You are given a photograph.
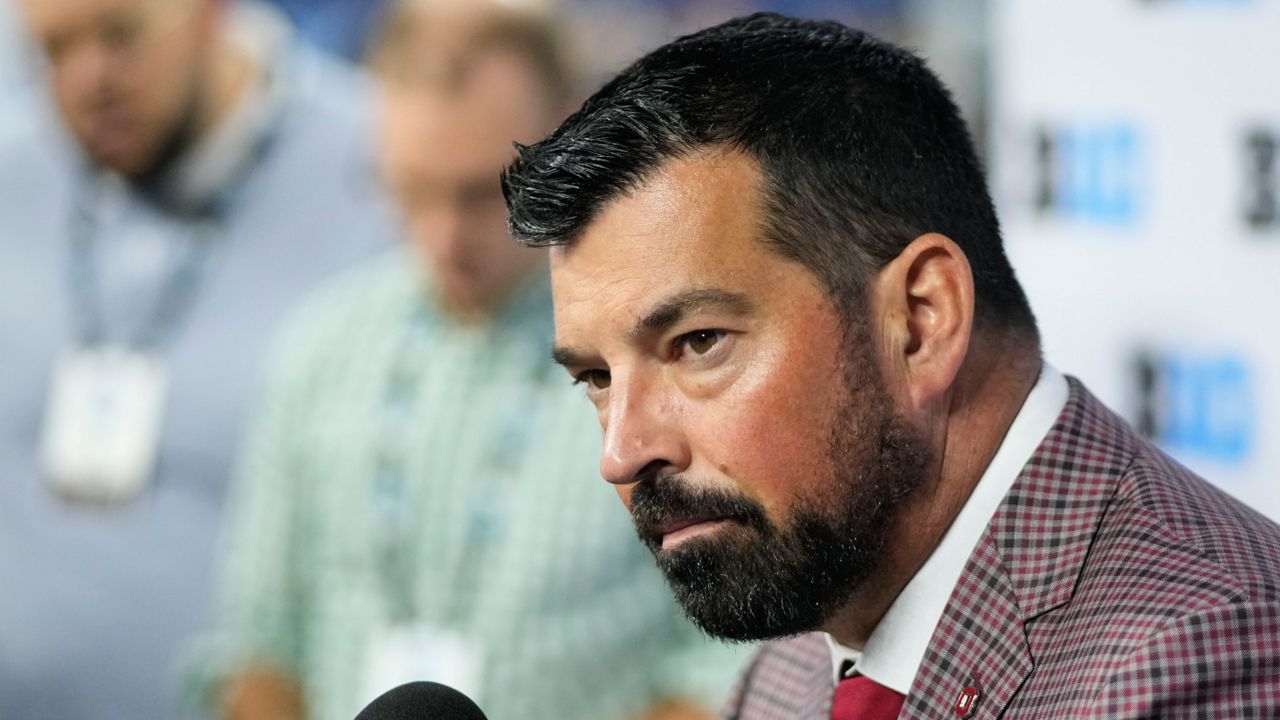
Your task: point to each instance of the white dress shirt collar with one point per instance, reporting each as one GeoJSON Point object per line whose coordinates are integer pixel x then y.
{"type": "Point", "coordinates": [897, 646]}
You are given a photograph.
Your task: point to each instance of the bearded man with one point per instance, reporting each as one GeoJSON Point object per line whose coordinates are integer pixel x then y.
{"type": "Point", "coordinates": [778, 273]}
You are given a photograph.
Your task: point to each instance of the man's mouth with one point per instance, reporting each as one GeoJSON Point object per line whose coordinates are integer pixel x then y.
{"type": "Point", "coordinates": [679, 530]}
{"type": "Point", "coordinates": [108, 132]}
{"type": "Point", "coordinates": [669, 511]}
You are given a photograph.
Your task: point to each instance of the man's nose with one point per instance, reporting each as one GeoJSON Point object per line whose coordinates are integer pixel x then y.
{"type": "Point", "coordinates": [643, 433]}
{"type": "Point", "coordinates": [86, 67]}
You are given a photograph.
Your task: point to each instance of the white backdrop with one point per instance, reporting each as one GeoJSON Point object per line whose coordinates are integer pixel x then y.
{"type": "Point", "coordinates": [1135, 150]}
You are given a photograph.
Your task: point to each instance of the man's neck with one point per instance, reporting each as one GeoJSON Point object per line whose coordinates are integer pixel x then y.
{"type": "Point", "coordinates": [987, 396]}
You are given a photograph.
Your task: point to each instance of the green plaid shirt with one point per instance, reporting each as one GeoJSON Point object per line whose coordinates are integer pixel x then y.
{"type": "Point", "coordinates": [403, 467]}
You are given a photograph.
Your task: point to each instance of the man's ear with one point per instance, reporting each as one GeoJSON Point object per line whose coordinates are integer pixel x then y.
{"type": "Point", "coordinates": [923, 303]}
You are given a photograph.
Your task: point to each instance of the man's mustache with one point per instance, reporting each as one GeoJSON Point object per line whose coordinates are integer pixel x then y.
{"type": "Point", "coordinates": [657, 501]}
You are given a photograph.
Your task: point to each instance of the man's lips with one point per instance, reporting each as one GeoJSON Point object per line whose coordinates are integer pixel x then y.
{"type": "Point", "coordinates": [678, 530]}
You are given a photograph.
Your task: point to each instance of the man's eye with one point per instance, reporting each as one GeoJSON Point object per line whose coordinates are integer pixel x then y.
{"type": "Point", "coordinates": [56, 47]}
{"type": "Point", "coordinates": [700, 342]}
{"type": "Point", "coordinates": [123, 33]}
{"type": "Point", "coordinates": [594, 379]}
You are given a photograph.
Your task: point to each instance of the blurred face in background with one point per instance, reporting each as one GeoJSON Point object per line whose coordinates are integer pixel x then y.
{"type": "Point", "coordinates": [127, 75]}
{"type": "Point", "coordinates": [446, 136]}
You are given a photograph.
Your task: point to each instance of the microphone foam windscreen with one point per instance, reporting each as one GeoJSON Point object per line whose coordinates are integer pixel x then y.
{"type": "Point", "coordinates": [421, 701]}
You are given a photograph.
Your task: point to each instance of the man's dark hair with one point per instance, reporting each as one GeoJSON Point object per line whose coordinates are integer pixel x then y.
{"type": "Point", "coordinates": [861, 147]}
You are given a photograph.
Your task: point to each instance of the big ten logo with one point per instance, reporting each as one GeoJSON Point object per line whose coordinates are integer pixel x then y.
{"type": "Point", "coordinates": [1262, 179]}
{"type": "Point", "coordinates": [1196, 404]}
{"type": "Point", "coordinates": [1089, 172]}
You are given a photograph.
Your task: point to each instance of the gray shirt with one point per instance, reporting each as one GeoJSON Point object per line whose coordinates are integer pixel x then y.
{"type": "Point", "coordinates": [96, 601]}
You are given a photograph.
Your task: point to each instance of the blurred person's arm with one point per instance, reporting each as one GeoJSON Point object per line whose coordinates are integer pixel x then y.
{"type": "Point", "coordinates": [677, 709]}
{"type": "Point", "coordinates": [245, 669]}
{"type": "Point", "coordinates": [262, 693]}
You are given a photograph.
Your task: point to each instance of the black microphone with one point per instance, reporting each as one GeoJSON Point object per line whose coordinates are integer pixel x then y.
{"type": "Point", "coordinates": [422, 701]}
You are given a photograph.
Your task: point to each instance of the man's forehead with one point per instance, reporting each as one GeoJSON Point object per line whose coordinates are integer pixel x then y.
{"type": "Point", "coordinates": [693, 226]}
{"type": "Point", "coordinates": [67, 19]}
{"type": "Point", "coordinates": [45, 12]}
{"type": "Point", "coordinates": [685, 207]}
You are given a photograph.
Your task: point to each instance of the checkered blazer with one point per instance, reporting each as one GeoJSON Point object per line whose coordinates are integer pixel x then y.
{"type": "Point", "coordinates": [1111, 583]}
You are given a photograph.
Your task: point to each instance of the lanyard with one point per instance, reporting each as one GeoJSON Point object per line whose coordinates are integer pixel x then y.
{"type": "Point", "coordinates": [395, 495]}
{"type": "Point", "coordinates": [180, 286]}
{"type": "Point", "coordinates": [174, 298]}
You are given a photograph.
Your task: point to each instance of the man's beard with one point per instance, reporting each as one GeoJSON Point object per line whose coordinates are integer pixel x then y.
{"type": "Point", "coordinates": [153, 172]}
{"type": "Point", "coordinates": [180, 137]}
{"type": "Point", "coordinates": [752, 579]}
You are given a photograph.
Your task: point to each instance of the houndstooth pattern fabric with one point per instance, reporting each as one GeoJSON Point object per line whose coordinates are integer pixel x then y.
{"type": "Point", "coordinates": [1111, 583]}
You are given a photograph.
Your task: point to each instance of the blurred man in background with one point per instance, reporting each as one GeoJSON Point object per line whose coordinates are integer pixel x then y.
{"type": "Point", "coordinates": [200, 172]}
{"type": "Point", "coordinates": [416, 500]}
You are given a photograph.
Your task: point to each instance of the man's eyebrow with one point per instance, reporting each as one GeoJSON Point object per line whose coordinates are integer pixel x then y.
{"type": "Point", "coordinates": [664, 315]}
{"type": "Point", "coordinates": [673, 309]}
{"type": "Point", "coordinates": [569, 357]}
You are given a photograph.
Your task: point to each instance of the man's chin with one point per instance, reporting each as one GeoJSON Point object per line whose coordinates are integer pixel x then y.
{"type": "Point", "coordinates": [128, 164]}
{"type": "Point", "coordinates": [733, 617]}
{"type": "Point", "coordinates": [113, 161]}
{"type": "Point", "coordinates": [728, 596]}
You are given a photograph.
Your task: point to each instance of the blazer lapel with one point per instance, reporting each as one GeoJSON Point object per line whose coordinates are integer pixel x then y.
{"type": "Point", "coordinates": [1025, 565]}
{"type": "Point", "coordinates": [978, 657]}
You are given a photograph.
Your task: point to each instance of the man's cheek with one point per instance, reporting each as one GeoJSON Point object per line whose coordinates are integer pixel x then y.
{"type": "Point", "coordinates": [772, 464]}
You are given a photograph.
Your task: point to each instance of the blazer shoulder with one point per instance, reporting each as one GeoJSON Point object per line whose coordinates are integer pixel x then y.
{"type": "Point", "coordinates": [1167, 510]}
{"type": "Point", "coordinates": [1174, 598]}
{"type": "Point", "coordinates": [1151, 537]}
